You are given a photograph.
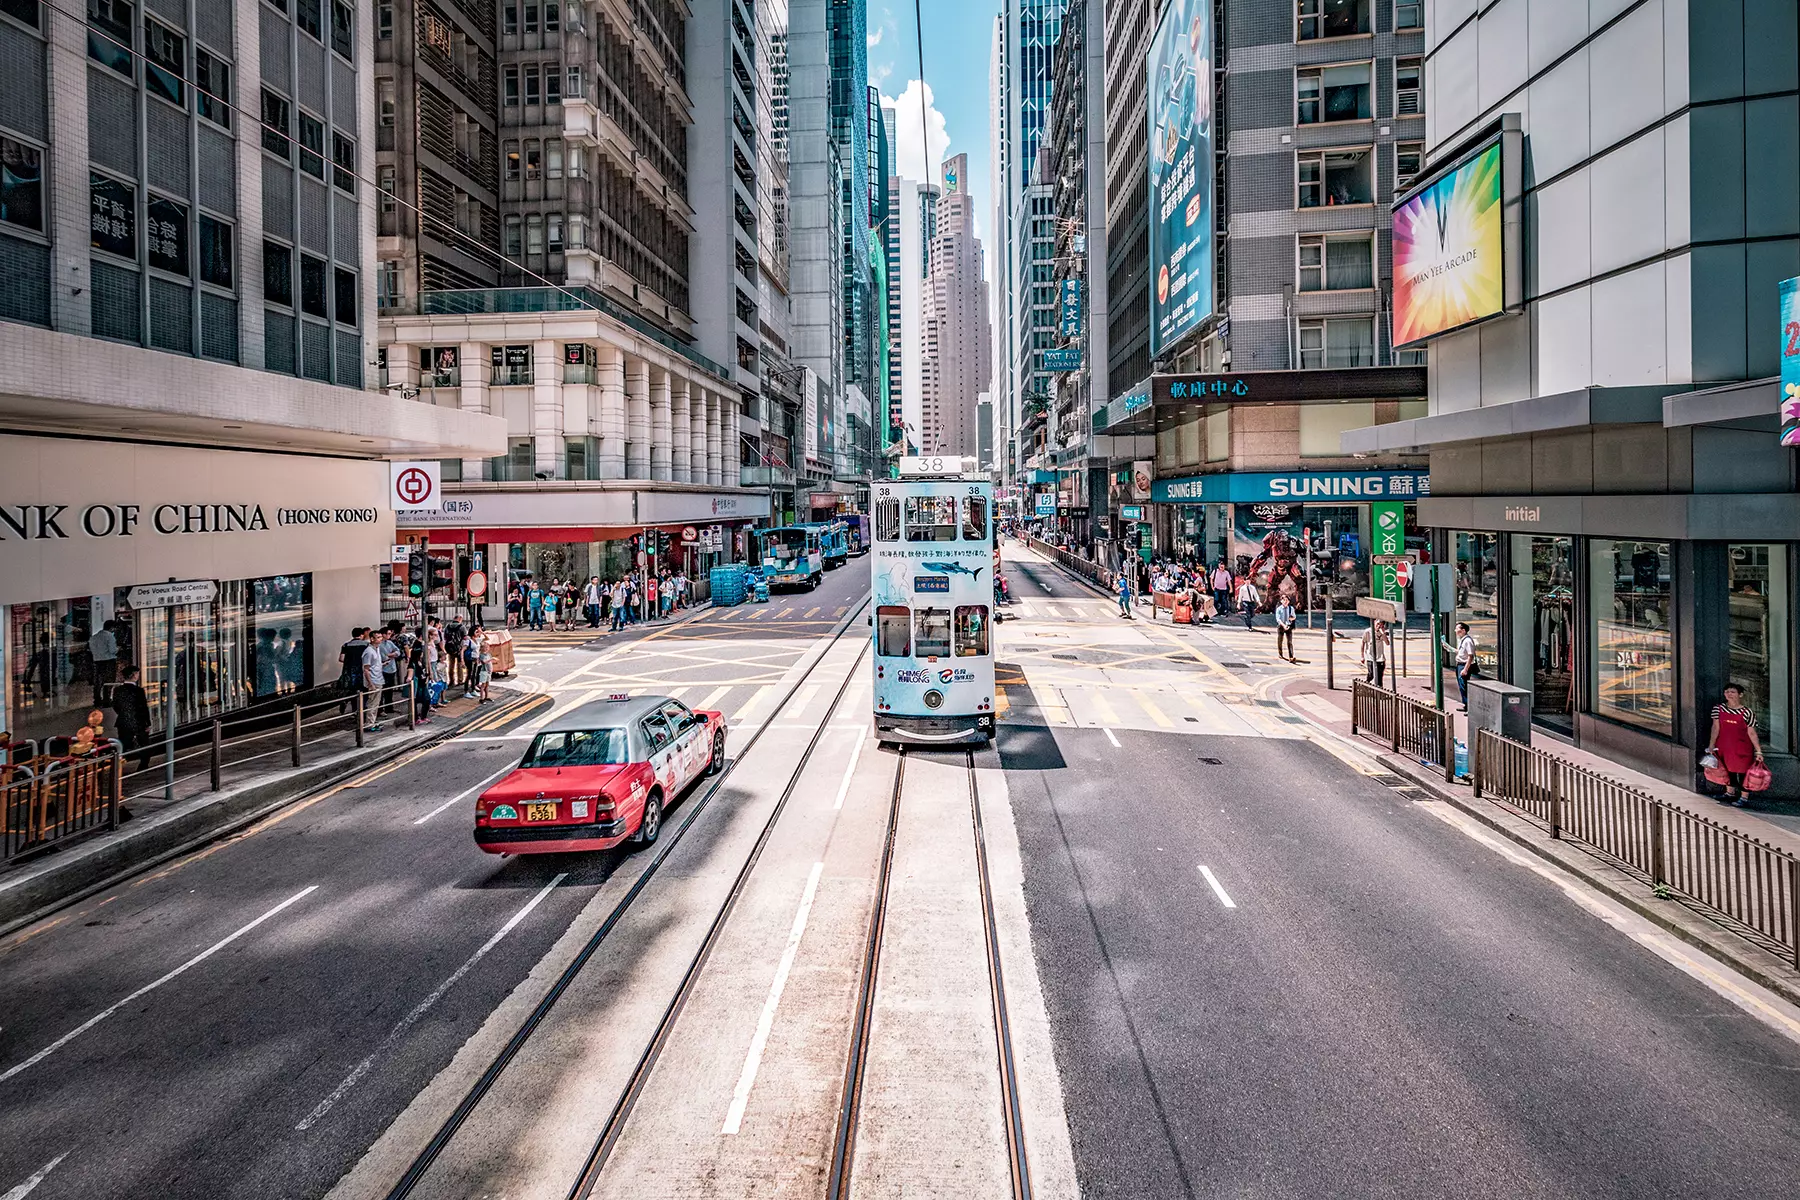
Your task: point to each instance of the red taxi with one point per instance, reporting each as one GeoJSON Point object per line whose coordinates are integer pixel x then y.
{"type": "Point", "coordinates": [598, 774]}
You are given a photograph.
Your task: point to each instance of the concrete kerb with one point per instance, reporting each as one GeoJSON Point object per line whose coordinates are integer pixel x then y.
{"type": "Point", "coordinates": [1672, 915]}
{"type": "Point", "coordinates": [93, 864]}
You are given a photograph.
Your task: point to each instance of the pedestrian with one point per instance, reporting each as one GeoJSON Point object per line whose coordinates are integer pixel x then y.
{"type": "Point", "coordinates": [1285, 619]}
{"type": "Point", "coordinates": [650, 596]}
{"type": "Point", "coordinates": [103, 649]}
{"type": "Point", "coordinates": [373, 677]}
{"type": "Point", "coordinates": [434, 652]}
{"type": "Point", "coordinates": [39, 665]}
{"type": "Point", "coordinates": [454, 636]}
{"type": "Point", "coordinates": [618, 605]}
{"type": "Point", "coordinates": [392, 655]}
{"type": "Point", "coordinates": [471, 657]}
{"type": "Point", "coordinates": [350, 660]}
{"type": "Point", "coordinates": [590, 599]}
{"type": "Point", "coordinates": [1735, 743]}
{"type": "Point", "coordinates": [1374, 652]}
{"type": "Point", "coordinates": [1248, 599]}
{"type": "Point", "coordinates": [515, 606]}
{"type": "Point", "coordinates": [534, 604]}
{"type": "Point", "coordinates": [418, 672]}
{"type": "Point", "coordinates": [1123, 583]}
{"type": "Point", "coordinates": [133, 709]}
{"type": "Point", "coordinates": [1468, 664]}
{"type": "Point", "coordinates": [1221, 587]}
{"type": "Point", "coordinates": [484, 668]}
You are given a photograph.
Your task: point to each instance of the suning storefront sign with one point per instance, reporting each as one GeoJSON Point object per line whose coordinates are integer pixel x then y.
{"type": "Point", "coordinates": [1304, 486]}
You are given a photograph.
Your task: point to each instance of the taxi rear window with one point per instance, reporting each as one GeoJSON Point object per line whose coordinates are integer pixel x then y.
{"type": "Point", "coordinates": [579, 748]}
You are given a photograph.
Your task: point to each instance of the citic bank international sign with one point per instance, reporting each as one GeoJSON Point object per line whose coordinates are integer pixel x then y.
{"type": "Point", "coordinates": [1309, 487]}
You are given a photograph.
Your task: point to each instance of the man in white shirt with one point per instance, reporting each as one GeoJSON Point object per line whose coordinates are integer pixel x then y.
{"type": "Point", "coordinates": [590, 601]}
{"type": "Point", "coordinates": [103, 648]}
{"type": "Point", "coordinates": [1465, 661]}
{"type": "Point", "coordinates": [372, 678]}
{"type": "Point", "coordinates": [1248, 599]}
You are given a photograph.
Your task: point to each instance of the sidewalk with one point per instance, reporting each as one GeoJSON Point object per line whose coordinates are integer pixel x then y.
{"type": "Point", "coordinates": [256, 779]}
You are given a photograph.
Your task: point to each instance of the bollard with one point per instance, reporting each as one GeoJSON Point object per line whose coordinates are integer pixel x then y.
{"type": "Point", "coordinates": [1657, 873]}
{"type": "Point", "coordinates": [118, 789]}
{"type": "Point", "coordinates": [359, 718]}
{"type": "Point", "coordinates": [1556, 798]}
{"type": "Point", "coordinates": [218, 753]}
{"type": "Point", "coordinates": [296, 746]}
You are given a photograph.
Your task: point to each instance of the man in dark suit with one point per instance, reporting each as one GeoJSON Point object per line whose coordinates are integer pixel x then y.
{"type": "Point", "coordinates": [133, 708]}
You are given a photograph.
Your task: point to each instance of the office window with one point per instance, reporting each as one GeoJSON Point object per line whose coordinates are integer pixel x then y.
{"type": "Point", "coordinates": [534, 162]}
{"type": "Point", "coordinates": [1409, 91]}
{"type": "Point", "coordinates": [312, 145]}
{"type": "Point", "coordinates": [439, 366]}
{"type": "Point", "coordinates": [22, 10]}
{"type": "Point", "coordinates": [1332, 177]}
{"type": "Point", "coordinates": [165, 55]}
{"type": "Point", "coordinates": [552, 79]}
{"type": "Point", "coordinates": [343, 162]}
{"type": "Point", "coordinates": [112, 219]}
{"type": "Point", "coordinates": [553, 158]}
{"type": "Point", "coordinates": [1332, 264]}
{"type": "Point", "coordinates": [509, 18]}
{"type": "Point", "coordinates": [552, 14]}
{"type": "Point", "coordinates": [534, 235]}
{"type": "Point", "coordinates": [531, 18]}
{"type": "Point", "coordinates": [109, 34]}
{"type": "Point", "coordinates": [212, 87]}
{"type": "Point", "coordinates": [572, 85]}
{"type": "Point", "coordinates": [385, 103]}
{"type": "Point", "coordinates": [388, 213]}
{"type": "Point", "coordinates": [1338, 342]}
{"type": "Point", "coordinates": [512, 162]}
{"type": "Point", "coordinates": [216, 251]}
{"type": "Point", "coordinates": [511, 365]}
{"type": "Point", "coordinates": [1332, 94]}
{"type": "Point", "coordinates": [1332, 18]}
{"type": "Point", "coordinates": [278, 274]}
{"type": "Point", "coordinates": [21, 185]}
{"type": "Point", "coordinates": [532, 95]}
{"type": "Point", "coordinates": [553, 231]}
{"type": "Point", "coordinates": [387, 284]}
{"type": "Point", "coordinates": [309, 15]}
{"type": "Point", "coordinates": [343, 28]}
{"type": "Point", "coordinates": [166, 234]}
{"type": "Point", "coordinates": [384, 22]}
{"type": "Point", "coordinates": [1409, 14]}
{"type": "Point", "coordinates": [312, 286]}
{"type": "Point", "coordinates": [509, 85]}
{"type": "Point", "coordinates": [275, 125]}
{"type": "Point", "coordinates": [514, 238]}
{"type": "Point", "coordinates": [344, 284]}
{"type": "Point", "coordinates": [1409, 161]}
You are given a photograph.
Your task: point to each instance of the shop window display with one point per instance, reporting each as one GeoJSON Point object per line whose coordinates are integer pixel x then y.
{"type": "Point", "coordinates": [1758, 619]}
{"type": "Point", "coordinates": [1477, 558]}
{"type": "Point", "coordinates": [1633, 661]}
{"type": "Point", "coordinates": [1543, 657]}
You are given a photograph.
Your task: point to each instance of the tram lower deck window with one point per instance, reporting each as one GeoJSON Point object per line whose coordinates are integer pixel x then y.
{"type": "Point", "coordinates": [975, 519]}
{"type": "Point", "coordinates": [887, 520]}
{"type": "Point", "coordinates": [971, 630]}
{"type": "Point", "coordinates": [893, 631]}
{"type": "Point", "coordinates": [931, 518]}
{"type": "Point", "coordinates": [933, 637]}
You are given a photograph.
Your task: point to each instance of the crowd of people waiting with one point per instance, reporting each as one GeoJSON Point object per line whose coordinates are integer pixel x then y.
{"type": "Point", "coordinates": [635, 596]}
{"type": "Point", "coordinates": [392, 666]}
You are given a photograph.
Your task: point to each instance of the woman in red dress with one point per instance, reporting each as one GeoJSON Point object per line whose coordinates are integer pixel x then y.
{"type": "Point", "coordinates": [1734, 741]}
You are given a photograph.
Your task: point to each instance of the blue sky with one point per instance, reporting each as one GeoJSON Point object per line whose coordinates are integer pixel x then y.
{"type": "Point", "coordinates": [958, 38]}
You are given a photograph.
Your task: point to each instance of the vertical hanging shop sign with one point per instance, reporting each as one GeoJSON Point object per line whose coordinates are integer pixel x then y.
{"type": "Point", "coordinates": [1790, 362]}
{"type": "Point", "coordinates": [1388, 517]}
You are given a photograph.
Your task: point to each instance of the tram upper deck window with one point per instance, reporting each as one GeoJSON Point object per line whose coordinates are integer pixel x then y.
{"type": "Point", "coordinates": [931, 518]}
{"type": "Point", "coordinates": [893, 631]}
{"type": "Point", "coordinates": [971, 630]}
{"type": "Point", "coordinates": [975, 519]}
{"type": "Point", "coordinates": [933, 637]}
{"type": "Point", "coordinates": [887, 519]}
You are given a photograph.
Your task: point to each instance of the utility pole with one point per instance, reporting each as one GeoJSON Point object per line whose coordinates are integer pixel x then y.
{"type": "Point", "coordinates": [1330, 648]}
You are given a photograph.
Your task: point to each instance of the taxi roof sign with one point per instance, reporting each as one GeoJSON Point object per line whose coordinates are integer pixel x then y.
{"type": "Point", "coordinates": [617, 696]}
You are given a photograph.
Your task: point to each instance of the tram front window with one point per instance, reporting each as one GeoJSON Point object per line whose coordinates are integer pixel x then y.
{"type": "Point", "coordinates": [971, 630]}
{"type": "Point", "coordinates": [933, 639]}
{"type": "Point", "coordinates": [887, 520]}
{"type": "Point", "coordinates": [931, 518]}
{"type": "Point", "coordinates": [975, 519]}
{"type": "Point", "coordinates": [893, 631]}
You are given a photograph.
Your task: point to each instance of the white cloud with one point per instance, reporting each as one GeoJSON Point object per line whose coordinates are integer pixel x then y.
{"type": "Point", "coordinates": [914, 162]}
{"type": "Point", "coordinates": [875, 38]}
{"type": "Point", "coordinates": [879, 72]}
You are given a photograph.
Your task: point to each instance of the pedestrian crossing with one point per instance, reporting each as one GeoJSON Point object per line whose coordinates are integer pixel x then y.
{"type": "Point", "coordinates": [1153, 709]}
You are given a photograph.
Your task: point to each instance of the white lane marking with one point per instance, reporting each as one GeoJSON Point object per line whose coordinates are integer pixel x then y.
{"type": "Point", "coordinates": [1218, 889]}
{"type": "Point", "coordinates": [713, 698]}
{"type": "Point", "coordinates": [1109, 737]}
{"type": "Point", "coordinates": [463, 795]}
{"type": "Point", "coordinates": [195, 961]}
{"type": "Point", "coordinates": [805, 697]}
{"type": "Point", "coordinates": [740, 1099]}
{"type": "Point", "coordinates": [765, 692]}
{"type": "Point", "coordinates": [422, 1007]}
{"type": "Point", "coordinates": [25, 1189]}
{"type": "Point", "coordinates": [850, 768]}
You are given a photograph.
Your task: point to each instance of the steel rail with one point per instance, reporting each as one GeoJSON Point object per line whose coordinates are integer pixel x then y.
{"type": "Point", "coordinates": [1018, 1164]}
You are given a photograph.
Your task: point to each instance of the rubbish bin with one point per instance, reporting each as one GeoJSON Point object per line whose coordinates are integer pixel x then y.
{"type": "Point", "coordinates": [1500, 708]}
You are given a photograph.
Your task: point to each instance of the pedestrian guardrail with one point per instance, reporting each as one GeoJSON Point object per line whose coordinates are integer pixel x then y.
{"type": "Point", "coordinates": [1086, 568]}
{"type": "Point", "coordinates": [1406, 725]}
{"type": "Point", "coordinates": [46, 800]}
{"type": "Point", "coordinates": [1751, 886]}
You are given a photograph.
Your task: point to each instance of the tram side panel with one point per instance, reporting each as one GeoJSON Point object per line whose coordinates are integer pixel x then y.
{"type": "Point", "coordinates": [932, 568]}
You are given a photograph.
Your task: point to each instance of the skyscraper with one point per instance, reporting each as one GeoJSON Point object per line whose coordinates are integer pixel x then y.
{"type": "Point", "coordinates": [956, 352]}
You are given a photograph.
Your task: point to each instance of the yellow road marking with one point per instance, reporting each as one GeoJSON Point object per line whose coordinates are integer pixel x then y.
{"type": "Point", "coordinates": [1156, 714]}
{"type": "Point", "coordinates": [811, 611]}
{"type": "Point", "coordinates": [1104, 708]}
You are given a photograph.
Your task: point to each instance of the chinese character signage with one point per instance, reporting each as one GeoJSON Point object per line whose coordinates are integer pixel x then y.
{"type": "Point", "coordinates": [1069, 322]}
{"type": "Point", "coordinates": [112, 216]}
{"type": "Point", "coordinates": [166, 236]}
{"type": "Point", "coordinates": [1179, 83]}
{"type": "Point", "coordinates": [1062, 358]}
{"type": "Point", "coordinates": [1790, 362]}
{"type": "Point", "coordinates": [1311, 487]}
{"type": "Point", "coordinates": [1212, 387]}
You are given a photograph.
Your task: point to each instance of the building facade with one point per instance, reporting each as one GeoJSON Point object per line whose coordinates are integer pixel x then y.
{"type": "Point", "coordinates": [955, 353]}
{"type": "Point", "coordinates": [1605, 458]}
{"type": "Point", "coordinates": [187, 231]}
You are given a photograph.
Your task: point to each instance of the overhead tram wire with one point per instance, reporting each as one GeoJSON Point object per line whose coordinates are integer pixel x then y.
{"type": "Point", "coordinates": [448, 227]}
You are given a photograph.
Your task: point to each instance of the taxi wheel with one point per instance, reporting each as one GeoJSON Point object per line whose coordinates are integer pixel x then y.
{"type": "Point", "coordinates": [716, 763]}
{"type": "Point", "coordinates": [650, 824]}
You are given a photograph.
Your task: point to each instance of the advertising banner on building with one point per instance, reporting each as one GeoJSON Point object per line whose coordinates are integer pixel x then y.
{"type": "Point", "coordinates": [1312, 487]}
{"type": "Point", "coordinates": [1069, 311]}
{"type": "Point", "coordinates": [1179, 92]}
{"type": "Point", "coordinates": [1387, 537]}
{"type": "Point", "coordinates": [1062, 358]}
{"type": "Point", "coordinates": [1790, 362]}
{"type": "Point", "coordinates": [1449, 257]}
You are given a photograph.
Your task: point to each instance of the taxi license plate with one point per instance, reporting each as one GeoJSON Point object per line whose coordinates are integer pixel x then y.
{"type": "Point", "coordinates": [540, 812]}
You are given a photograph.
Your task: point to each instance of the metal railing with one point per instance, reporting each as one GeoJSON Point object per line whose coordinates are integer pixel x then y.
{"type": "Point", "coordinates": [47, 800]}
{"type": "Point", "coordinates": [1753, 886]}
{"type": "Point", "coordinates": [1406, 725]}
{"type": "Point", "coordinates": [1086, 568]}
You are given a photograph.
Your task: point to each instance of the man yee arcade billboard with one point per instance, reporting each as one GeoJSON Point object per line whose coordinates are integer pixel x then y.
{"type": "Point", "coordinates": [1455, 246]}
{"type": "Point", "coordinates": [1179, 86]}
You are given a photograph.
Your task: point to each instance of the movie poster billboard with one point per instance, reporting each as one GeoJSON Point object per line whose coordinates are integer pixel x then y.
{"type": "Point", "coordinates": [1179, 96]}
{"type": "Point", "coordinates": [1790, 362]}
{"type": "Point", "coordinates": [1449, 259]}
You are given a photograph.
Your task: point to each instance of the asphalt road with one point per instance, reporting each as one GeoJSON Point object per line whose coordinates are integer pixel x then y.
{"type": "Point", "coordinates": [1390, 1009]}
{"type": "Point", "coordinates": [246, 1021]}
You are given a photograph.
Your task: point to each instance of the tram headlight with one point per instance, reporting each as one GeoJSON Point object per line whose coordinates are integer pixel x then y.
{"type": "Point", "coordinates": [934, 699]}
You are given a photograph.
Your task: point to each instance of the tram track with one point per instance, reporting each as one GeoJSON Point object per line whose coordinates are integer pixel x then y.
{"type": "Point", "coordinates": [420, 1165]}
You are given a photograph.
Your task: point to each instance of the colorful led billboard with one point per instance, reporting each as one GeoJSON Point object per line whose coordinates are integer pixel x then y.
{"type": "Point", "coordinates": [1449, 262]}
{"type": "Point", "coordinates": [1180, 87]}
{"type": "Point", "coordinates": [1790, 362]}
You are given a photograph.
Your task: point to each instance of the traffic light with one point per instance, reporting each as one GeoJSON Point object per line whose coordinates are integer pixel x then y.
{"type": "Point", "coordinates": [417, 573]}
{"type": "Point", "coordinates": [441, 570]}
{"type": "Point", "coordinates": [463, 566]}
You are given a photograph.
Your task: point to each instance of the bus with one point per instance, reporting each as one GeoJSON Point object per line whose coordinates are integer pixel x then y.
{"type": "Point", "coordinates": [791, 556]}
{"type": "Point", "coordinates": [933, 587]}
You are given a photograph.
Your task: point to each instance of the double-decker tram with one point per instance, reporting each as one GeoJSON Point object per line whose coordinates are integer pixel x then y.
{"type": "Point", "coordinates": [791, 556]}
{"type": "Point", "coordinates": [933, 585]}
